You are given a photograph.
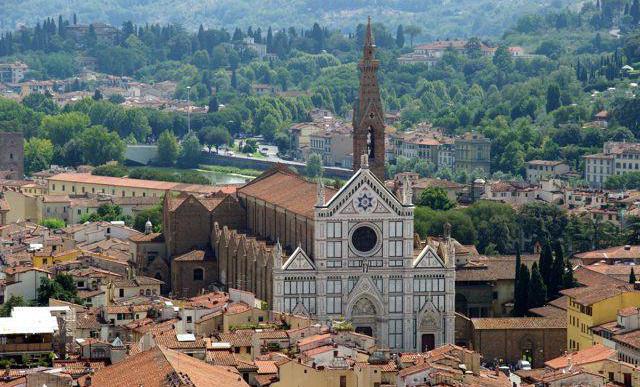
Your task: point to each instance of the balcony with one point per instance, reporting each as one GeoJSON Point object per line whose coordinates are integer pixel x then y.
{"type": "Point", "coordinates": [26, 347]}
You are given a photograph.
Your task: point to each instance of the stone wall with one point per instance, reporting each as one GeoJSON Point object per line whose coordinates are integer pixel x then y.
{"type": "Point", "coordinates": [184, 285]}
{"type": "Point", "coordinates": [12, 154]}
{"type": "Point", "coordinates": [509, 344]}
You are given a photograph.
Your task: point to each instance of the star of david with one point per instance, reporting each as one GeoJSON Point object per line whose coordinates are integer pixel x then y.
{"type": "Point", "coordinates": [365, 202]}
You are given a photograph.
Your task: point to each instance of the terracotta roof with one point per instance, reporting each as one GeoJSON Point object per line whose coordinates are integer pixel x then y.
{"type": "Point", "coordinates": [518, 323]}
{"type": "Point", "coordinates": [590, 355]}
{"type": "Point", "coordinates": [169, 339]}
{"type": "Point", "coordinates": [237, 307]}
{"type": "Point", "coordinates": [560, 302]}
{"type": "Point", "coordinates": [157, 237]}
{"type": "Point", "coordinates": [87, 178]}
{"type": "Point", "coordinates": [612, 253]}
{"type": "Point", "coordinates": [629, 311]}
{"type": "Point", "coordinates": [221, 357]}
{"type": "Point", "coordinates": [209, 202]}
{"type": "Point", "coordinates": [491, 268]}
{"type": "Point", "coordinates": [318, 350]}
{"type": "Point", "coordinates": [442, 183]}
{"type": "Point", "coordinates": [549, 311]}
{"type": "Point", "coordinates": [593, 294]}
{"type": "Point", "coordinates": [630, 339]}
{"type": "Point", "coordinates": [587, 277]}
{"type": "Point", "coordinates": [311, 339]}
{"type": "Point", "coordinates": [266, 366]}
{"type": "Point", "coordinates": [208, 300]}
{"type": "Point", "coordinates": [194, 255]}
{"type": "Point", "coordinates": [239, 338]}
{"type": "Point", "coordinates": [136, 282]}
{"type": "Point", "coordinates": [391, 366]}
{"type": "Point", "coordinates": [112, 309]}
{"type": "Point", "coordinates": [161, 366]}
{"type": "Point", "coordinates": [285, 189]}
{"type": "Point", "coordinates": [266, 380]}
{"type": "Point", "coordinates": [87, 320]}
{"type": "Point", "coordinates": [619, 272]}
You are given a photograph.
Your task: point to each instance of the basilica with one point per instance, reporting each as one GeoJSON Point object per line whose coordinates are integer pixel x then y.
{"type": "Point", "coordinates": [332, 254]}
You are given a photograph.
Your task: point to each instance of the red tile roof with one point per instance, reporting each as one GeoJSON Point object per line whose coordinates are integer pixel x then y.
{"type": "Point", "coordinates": [612, 253]}
{"type": "Point", "coordinates": [593, 294]}
{"type": "Point", "coordinates": [161, 366]}
{"type": "Point", "coordinates": [492, 323]}
{"type": "Point", "coordinates": [285, 189]}
{"type": "Point", "coordinates": [590, 355]}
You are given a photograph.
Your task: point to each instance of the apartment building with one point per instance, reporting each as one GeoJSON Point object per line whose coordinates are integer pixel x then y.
{"type": "Point", "coordinates": [616, 158]}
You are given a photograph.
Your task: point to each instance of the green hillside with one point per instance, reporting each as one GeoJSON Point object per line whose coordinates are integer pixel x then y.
{"type": "Point", "coordinates": [437, 18]}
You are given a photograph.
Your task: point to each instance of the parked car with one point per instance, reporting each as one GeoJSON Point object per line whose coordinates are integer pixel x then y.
{"type": "Point", "coordinates": [524, 365]}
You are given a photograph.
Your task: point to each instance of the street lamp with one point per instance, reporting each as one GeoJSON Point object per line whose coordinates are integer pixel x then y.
{"type": "Point", "coordinates": [188, 109]}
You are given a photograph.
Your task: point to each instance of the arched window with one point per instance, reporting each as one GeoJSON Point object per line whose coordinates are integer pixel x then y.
{"type": "Point", "coordinates": [198, 274]}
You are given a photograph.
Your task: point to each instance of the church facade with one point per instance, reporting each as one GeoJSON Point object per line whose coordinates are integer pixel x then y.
{"type": "Point", "coordinates": [369, 269]}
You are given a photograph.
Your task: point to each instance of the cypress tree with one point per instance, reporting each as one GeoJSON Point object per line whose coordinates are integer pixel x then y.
{"type": "Point", "coordinates": [269, 40]}
{"type": "Point", "coordinates": [400, 36]}
{"type": "Point", "coordinates": [518, 263]}
{"type": "Point", "coordinates": [632, 277]}
{"type": "Point", "coordinates": [538, 290]}
{"type": "Point", "coordinates": [521, 292]}
{"type": "Point", "coordinates": [567, 279]}
{"type": "Point", "coordinates": [553, 98]}
{"type": "Point", "coordinates": [546, 262]}
{"type": "Point", "coordinates": [557, 271]}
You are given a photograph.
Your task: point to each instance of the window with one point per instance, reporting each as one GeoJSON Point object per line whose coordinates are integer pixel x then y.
{"type": "Point", "coordinates": [395, 263]}
{"type": "Point", "coordinates": [395, 333]}
{"type": "Point", "coordinates": [395, 295]}
{"type": "Point", "coordinates": [334, 249]}
{"type": "Point", "coordinates": [334, 305]}
{"type": "Point", "coordinates": [351, 283]}
{"type": "Point", "coordinates": [334, 286]}
{"type": "Point", "coordinates": [395, 248]}
{"type": "Point", "coordinates": [121, 292]}
{"type": "Point", "coordinates": [334, 230]}
{"type": "Point", "coordinates": [334, 263]}
{"type": "Point", "coordinates": [343, 381]}
{"type": "Point", "coordinates": [395, 229]}
{"type": "Point", "coordinates": [189, 319]}
{"type": "Point", "coordinates": [377, 280]}
{"type": "Point", "coordinates": [198, 274]}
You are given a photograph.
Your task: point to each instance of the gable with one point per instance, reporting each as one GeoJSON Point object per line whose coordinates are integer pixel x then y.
{"type": "Point", "coordinates": [299, 260]}
{"type": "Point", "coordinates": [428, 258]}
{"type": "Point", "coordinates": [364, 194]}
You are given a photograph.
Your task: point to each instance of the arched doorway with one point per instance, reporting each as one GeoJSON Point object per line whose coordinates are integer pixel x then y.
{"type": "Point", "coordinates": [527, 350]}
{"type": "Point", "coordinates": [363, 316]}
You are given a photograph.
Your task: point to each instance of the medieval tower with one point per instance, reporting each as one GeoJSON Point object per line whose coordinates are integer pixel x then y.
{"type": "Point", "coordinates": [368, 115]}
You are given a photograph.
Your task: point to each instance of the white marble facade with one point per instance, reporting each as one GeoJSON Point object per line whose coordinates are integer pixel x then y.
{"type": "Point", "coordinates": [366, 270]}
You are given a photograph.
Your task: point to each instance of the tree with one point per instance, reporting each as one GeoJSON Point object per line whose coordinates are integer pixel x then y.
{"type": "Point", "coordinates": [98, 146]}
{"type": "Point", "coordinates": [153, 214]}
{"type": "Point", "coordinates": [61, 287]}
{"type": "Point", "coordinates": [557, 271]}
{"type": "Point", "coordinates": [518, 263]}
{"type": "Point", "coordinates": [97, 95]}
{"type": "Point", "coordinates": [13, 301]}
{"type": "Point", "coordinates": [521, 292]}
{"type": "Point", "coordinates": [38, 153]}
{"type": "Point", "coordinates": [43, 103]}
{"type": "Point", "coordinates": [53, 223]}
{"type": "Point", "coordinates": [314, 166]}
{"type": "Point", "coordinates": [553, 98]}
{"type": "Point", "coordinates": [502, 58]}
{"type": "Point", "coordinates": [632, 277]}
{"type": "Point", "coordinates": [568, 281]}
{"type": "Point", "coordinates": [537, 289]}
{"type": "Point", "coordinates": [110, 169]}
{"type": "Point", "coordinates": [213, 104]}
{"type": "Point", "coordinates": [413, 31]}
{"type": "Point", "coordinates": [546, 262]}
{"type": "Point", "coordinates": [64, 127]}
{"type": "Point", "coordinates": [400, 36]}
{"type": "Point", "coordinates": [191, 152]}
{"type": "Point", "coordinates": [435, 198]}
{"type": "Point", "coordinates": [215, 136]}
{"type": "Point", "coordinates": [168, 148]}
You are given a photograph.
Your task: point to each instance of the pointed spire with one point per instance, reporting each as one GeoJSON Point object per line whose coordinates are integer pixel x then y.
{"type": "Point", "coordinates": [364, 161]}
{"type": "Point", "coordinates": [320, 193]}
{"type": "Point", "coordinates": [277, 254]}
{"type": "Point", "coordinates": [407, 192]}
{"type": "Point", "coordinates": [369, 44]}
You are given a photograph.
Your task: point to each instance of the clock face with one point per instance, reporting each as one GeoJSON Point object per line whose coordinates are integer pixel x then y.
{"type": "Point", "coordinates": [365, 202]}
{"type": "Point", "coordinates": [364, 239]}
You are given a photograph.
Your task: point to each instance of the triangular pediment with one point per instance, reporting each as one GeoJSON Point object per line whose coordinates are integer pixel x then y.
{"type": "Point", "coordinates": [365, 286]}
{"type": "Point", "coordinates": [299, 260]}
{"type": "Point", "coordinates": [364, 194]}
{"type": "Point", "coordinates": [428, 258]}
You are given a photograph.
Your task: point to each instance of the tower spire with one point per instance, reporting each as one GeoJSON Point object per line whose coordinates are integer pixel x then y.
{"type": "Point", "coordinates": [368, 115]}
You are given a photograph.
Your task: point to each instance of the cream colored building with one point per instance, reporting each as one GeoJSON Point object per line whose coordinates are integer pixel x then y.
{"type": "Point", "coordinates": [80, 183]}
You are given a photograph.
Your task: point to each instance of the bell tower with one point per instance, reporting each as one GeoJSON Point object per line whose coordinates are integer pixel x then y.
{"type": "Point", "coordinates": [368, 116]}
